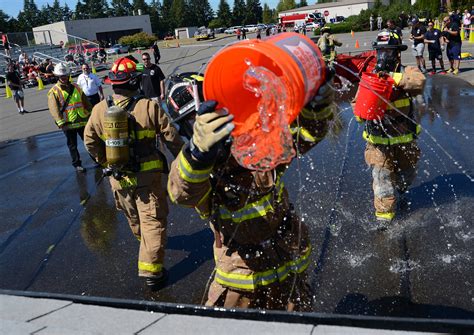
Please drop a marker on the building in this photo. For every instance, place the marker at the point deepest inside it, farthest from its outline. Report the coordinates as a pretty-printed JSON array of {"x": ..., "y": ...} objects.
[
  {"x": 330, "y": 10},
  {"x": 103, "y": 29}
]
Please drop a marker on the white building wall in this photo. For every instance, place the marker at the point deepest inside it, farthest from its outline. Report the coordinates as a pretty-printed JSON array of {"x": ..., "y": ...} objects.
[{"x": 50, "y": 33}]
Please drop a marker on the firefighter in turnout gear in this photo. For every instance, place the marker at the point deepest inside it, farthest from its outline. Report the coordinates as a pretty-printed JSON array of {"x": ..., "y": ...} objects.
[
  {"x": 327, "y": 43},
  {"x": 70, "y": 110},
  {"x": 261, "y": 248},
  {"x": 392, "y": 151},
  {"x": 126, "y": 145}
]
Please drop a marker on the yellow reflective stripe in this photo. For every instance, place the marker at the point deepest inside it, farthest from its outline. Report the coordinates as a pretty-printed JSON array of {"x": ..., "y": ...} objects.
[
  {"x": 103, "y": 137},
  {"x": 256, "y": 209},
  {"x": 387, "y": 141},
  {"x": 60, "y": 122},
  {"x": 189, "y": 174},
  {"x": 418, "y": 129},
  {"x": 150, "y": 267},
  {"x": 203, "y": 215},
  {"x": 399, "y": 103},
  {"x": 151, "y": 165},
  {"x": 127, "y": 181},
  {"x": 264, "y": 278},
  {"x": 317, "y": 115},
  {"x": 397, "y": 77},
  {"x": 388, "y": 216},
  {"x": 147, "y": 133}
]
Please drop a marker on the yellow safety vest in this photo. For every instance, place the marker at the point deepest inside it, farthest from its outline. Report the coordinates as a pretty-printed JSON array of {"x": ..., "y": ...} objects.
[{"x": 74, "y": 115}]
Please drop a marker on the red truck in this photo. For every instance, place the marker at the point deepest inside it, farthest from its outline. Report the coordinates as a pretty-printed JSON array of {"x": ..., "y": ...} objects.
[{"x": 291, "y": 19}]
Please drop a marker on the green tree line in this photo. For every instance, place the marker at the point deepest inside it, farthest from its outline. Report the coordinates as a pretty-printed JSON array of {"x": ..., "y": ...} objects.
[{"x": 165, "y": 15}]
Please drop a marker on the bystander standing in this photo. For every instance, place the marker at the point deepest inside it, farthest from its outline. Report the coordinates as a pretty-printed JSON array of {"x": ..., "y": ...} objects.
[
  {"x": 466, "y": 22},
  {"x": 6, "y": 44},
  {"x": 13, "y": 81},
  {"x": 434, "y": 40},
  {"x": 156, "y": 52},
  {"x": 453, "y": 49},
  {"x": 393, "y": 28},
  {"x": 371, "y": 22},
  {"x": 379, "y": 22},
  {"x": 90, "y": 85},
  {"x": 153, "y": 79},
  {"x": 418, "y": 37}
]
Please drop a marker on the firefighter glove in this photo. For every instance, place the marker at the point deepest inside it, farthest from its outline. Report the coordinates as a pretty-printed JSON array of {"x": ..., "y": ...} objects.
[{"x": 211, "y": 126}]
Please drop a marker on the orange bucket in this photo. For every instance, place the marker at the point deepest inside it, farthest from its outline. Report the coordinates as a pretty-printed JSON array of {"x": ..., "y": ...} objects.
[
  {"x": 296, "y": 64},
  {"x": 369, "y": 105}
]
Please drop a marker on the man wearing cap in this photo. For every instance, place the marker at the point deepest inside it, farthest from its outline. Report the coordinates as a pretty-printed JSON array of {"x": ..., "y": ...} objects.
[
  {"x": 70, "y": 110},
  {"x": 138, "y": 184}
]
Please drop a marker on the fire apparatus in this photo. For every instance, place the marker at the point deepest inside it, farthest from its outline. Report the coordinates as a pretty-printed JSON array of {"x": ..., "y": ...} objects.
[{"x": 292, "y": 19}]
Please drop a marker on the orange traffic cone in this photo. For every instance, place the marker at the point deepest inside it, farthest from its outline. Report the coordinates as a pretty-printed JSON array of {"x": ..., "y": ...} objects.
[
  {"x": 357, "y": 44},
  {"x": 352, "y": 33},
  {"x": 94, "y": 71}
]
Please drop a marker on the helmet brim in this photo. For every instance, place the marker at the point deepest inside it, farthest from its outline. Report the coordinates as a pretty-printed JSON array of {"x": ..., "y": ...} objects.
[{"x": 107, "y": 81}]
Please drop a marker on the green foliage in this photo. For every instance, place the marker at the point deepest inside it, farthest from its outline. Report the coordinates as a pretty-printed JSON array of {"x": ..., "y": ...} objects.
[
  {"x": 224, "y": 15},
  {"x": 285, "y": 5},
  {"x": 253, "y": 13},
  {"x": 238, "y": 12},
  {"x": 199, "y": 13},
  {"x": 139, "y": 40},
  {"x": 120, "y": 8},
  {"x": 267, "y": 14}
]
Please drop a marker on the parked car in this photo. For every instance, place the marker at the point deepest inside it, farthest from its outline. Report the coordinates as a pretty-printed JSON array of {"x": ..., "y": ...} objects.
[
  {"x": 251, "y": 28},
  {"x": 338, "y": 19},
  {"x": 232, "y": 30},
  {"x": 83, "y": 48},
  {"x": 312, "y": 26},
  {"x": 261, "y": 26},
  {"x": 219, "y": 30},
  {"x": 204, "y": 33},
  {"x": 117, "y": 49}
]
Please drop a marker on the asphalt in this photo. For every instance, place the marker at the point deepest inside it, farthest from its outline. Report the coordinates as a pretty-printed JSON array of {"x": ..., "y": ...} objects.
[{"x": 61, "y": 234}]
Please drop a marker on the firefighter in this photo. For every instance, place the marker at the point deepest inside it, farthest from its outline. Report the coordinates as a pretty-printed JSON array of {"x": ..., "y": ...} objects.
[
  {"x": 70, "y": 110},
  {"x": 327, "y": 44},
  {"x": 261, "y": 247},
  {"x": 392, "y": 151},
  {"x": 122, "y": 136}
]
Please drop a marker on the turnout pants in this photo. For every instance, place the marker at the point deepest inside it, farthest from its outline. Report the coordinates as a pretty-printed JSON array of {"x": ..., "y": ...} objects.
[
  {"x": 146, "y": 209},
  {"x": 71, "y": 137},
  {"x": 393, "y": 171}
]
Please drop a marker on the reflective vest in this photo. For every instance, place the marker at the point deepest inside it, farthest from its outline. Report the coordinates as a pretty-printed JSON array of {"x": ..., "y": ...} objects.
[{"x": 74, "y": 115}]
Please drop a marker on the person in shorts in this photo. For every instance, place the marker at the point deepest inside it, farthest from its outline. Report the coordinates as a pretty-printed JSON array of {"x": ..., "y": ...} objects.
[
  {"x": 434, "y": 40},
  {"x": 418, "y": 37},
  {"x": 14, "y": 82},
  {"x": 451, "y": 33}
]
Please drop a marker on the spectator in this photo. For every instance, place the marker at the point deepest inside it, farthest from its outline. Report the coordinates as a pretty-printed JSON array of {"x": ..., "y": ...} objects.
[
  {"x": 50, "y": 66},
  {"x": 456, "y": 17},
  {"x": 303, "y": 28},
  {"x": 22, "y": 57},
  {"x": 259, "y": 33},
  {"x": 466, "y": 22},
  {"x": 244, "y": 33},
  {"x": 453, "y": 50},
  {"x": 6, "y": 44},
  {"x": 371, "y": 22},
  {"x": 434, "y": 39},
  {"x": 156, "y": 52},
  {"x": 393, "y": 28},
  {"x": 418, "y": 37},
  {"x": 379, "y": 22},
  {"x": 90, "y": 85},
  {"x": 238, "y": 32},
  {"x": 153, "y": 80},
  {"x": 268, "y": 31},
  {"x": 403, "y": 19},
  {"x": 13, "y": 81}
]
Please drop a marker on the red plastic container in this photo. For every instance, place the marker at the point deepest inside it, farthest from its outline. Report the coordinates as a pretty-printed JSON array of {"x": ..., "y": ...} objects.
[{"x": 369, "y": 105}]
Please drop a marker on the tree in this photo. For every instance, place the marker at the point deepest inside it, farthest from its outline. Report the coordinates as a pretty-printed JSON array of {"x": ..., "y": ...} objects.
[
  {"x": 201, "y": 11},
  {"x": 29, "y": 16},
  {"x": 178, "y": 14},
  {"x": 285, "y": 5},
  {"x": 238, "y": 12},
  {"x": 267, "y": 14},
  {"x": 55, "y": 12},
  {"x": 253, "y": 13},
  {"x": 80, "y": 11},
  {"x": 303, "y": 3},
  {"x": 155, "y": 19},
  {"x": 120, "y": 8},
  {"x": 165, "y": 16},
  {"x": 224, "y": 15},
  {"x": 4, "y": 24},
  {"x": 96, "y": 8},
  {"x": 140, "y": 4}
]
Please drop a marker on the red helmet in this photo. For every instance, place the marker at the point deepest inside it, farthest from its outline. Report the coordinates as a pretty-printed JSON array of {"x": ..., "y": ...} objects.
[{"x": 123, "y": 70}]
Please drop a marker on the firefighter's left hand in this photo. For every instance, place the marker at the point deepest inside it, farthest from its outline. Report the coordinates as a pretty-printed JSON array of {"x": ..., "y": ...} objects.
[{"x": 324, "y": 96}]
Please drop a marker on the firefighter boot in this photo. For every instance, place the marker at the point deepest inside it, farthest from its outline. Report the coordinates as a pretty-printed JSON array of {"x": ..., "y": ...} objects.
[{"x": 157, "y": 282}]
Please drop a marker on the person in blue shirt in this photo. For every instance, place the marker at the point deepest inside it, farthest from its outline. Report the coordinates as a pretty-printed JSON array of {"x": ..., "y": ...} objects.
[{"x": 434, "y": 40}]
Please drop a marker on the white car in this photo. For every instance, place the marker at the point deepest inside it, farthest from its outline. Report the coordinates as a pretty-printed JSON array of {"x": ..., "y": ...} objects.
[
  {"x": 251, "y": 28},
  {"x": 232, "y": 30},
  {"x": 117, "y": 49},
  {"x": 311, "y": 26}
]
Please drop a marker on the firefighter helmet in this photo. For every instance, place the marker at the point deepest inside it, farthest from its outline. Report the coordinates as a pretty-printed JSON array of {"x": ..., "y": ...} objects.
[
  {"x": 388, "y": 40},
  {"x": 123, "y": 70},
  {"x": 61, "y": 70}
]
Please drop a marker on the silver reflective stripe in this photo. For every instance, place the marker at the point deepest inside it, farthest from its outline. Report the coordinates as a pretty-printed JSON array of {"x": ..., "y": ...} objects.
[{"x": 116, "y": 142}]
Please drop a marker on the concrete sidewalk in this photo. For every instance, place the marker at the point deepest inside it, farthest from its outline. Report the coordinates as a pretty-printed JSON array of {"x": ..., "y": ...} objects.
[{"x": 24, "y": 315}]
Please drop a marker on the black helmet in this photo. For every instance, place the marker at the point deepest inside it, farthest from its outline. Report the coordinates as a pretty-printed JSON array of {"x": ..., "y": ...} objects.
[
  {"x": 180, "y": 99},
  {"x": 388, "y": 46},
  {"x": 389, "y": 40}
]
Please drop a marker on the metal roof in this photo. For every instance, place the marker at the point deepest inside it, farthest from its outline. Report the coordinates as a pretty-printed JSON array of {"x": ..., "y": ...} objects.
[{"x": 328, "y": 5}]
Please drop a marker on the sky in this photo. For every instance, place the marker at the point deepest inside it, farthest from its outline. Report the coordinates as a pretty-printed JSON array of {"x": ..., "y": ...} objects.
[{"x": 13, "y": 7}]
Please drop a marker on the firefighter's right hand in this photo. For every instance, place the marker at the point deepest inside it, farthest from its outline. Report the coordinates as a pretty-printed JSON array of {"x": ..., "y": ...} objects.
[{"x": 211, "y": 126}]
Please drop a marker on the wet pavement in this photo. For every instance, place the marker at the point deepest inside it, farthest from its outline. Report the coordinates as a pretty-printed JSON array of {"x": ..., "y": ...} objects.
[{"x": 60, "y": 231}]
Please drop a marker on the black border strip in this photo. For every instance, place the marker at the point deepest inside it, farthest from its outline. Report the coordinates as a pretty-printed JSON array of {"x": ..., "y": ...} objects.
[{"x": 391, "y": 323}]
